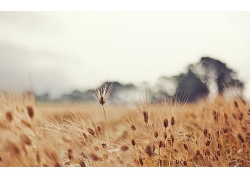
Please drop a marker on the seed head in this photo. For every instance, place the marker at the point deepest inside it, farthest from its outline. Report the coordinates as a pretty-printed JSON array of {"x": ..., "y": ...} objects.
[
  {"x": 165, "y": 135},
  {"x": 141, "y": 161},
  {"x": 208, "y": 142},
  {"x": 234, "y": 115},
  {"x": 172, "y": 138},
  {"x": 218, "y": 153},
  {"x": 197, "y": 153},
  {"x": 241, "y": 116},
  {"x": 133, "y": 142},
  {"x": 165, "y": 123},
  {"x": 185, "y": 146},
  {"x": 207, "y": 152},
  {"x": 30, "y": 111},
  {"x": 161, "y": 144},
  {"x": 145, "y": 116},
  {"x": 215, "y": 114},
  {"x": 243, "y": 101},
  {"x": 102, "y": 94},
  {"x": 236, "y": 104},
  {"x": 172, "y": 121},
  {"x": 84, "y": 155},
  {"x": 84, "y": 135},
  {"x": 124, "y": 148},
  {"x": 25, "y": 139},
  {"x": 149, "y": 150},
  {"x": 225, "y": 130},
  {"x": 205, "y": 132},
  {"x": 91, "y": 131},
  {"x": 155, "y": 134},
  {"x": 133, "y": 127},
  {"x": 9, "y": 116},
  {"x": 95, "y": 157},
  {"x": 25, "y": 123},
  {"x": 185, "y": 163},
  {"x": 70, "y": 156},
  {"x": 225, "y": 116},
  {"x": 57, "y": 164},
  {"x": 241, "y": 138},
  {"x": 104, "y": 145},
  {"x": 82, "y": 164},
  {"x": 219, "y": 145},
  {"x": 217, "y": 134},
  {"x": 99, "y": 129}
]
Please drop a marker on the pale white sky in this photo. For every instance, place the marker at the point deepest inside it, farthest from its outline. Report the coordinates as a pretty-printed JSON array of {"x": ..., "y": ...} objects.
[{"x": 63, "y": 51}]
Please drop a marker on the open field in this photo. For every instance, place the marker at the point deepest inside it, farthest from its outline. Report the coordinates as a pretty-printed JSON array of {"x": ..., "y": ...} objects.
[{"x": 167, "y": 133}]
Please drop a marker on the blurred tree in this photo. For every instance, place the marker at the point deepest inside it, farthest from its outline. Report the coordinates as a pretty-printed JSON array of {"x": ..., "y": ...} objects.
[
  {"x": 224, "y": 77},
  {"x": 190, "y": 85},
  {"x": 208, "y": 75}
]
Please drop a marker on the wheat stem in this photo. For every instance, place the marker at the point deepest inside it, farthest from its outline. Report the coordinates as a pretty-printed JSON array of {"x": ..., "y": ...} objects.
[{"x": 106, "y": 123}]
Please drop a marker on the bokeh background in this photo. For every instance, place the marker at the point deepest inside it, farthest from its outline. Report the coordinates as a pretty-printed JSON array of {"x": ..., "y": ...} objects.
[{"x": 61, "y": 55}]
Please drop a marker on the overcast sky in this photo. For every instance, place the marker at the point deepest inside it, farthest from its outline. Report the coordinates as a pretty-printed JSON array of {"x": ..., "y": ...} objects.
[{"x": 61, "y": 51}]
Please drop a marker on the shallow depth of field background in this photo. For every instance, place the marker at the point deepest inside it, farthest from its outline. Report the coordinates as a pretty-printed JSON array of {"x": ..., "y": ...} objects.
[{"x": 111, "y": 89}]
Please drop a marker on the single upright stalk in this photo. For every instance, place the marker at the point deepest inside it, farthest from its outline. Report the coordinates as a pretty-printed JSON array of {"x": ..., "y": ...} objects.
[{"x": 106, "y": 124}]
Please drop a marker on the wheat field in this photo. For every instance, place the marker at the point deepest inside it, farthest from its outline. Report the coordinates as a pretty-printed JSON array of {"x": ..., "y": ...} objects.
[{"x": 167, "y": 133}]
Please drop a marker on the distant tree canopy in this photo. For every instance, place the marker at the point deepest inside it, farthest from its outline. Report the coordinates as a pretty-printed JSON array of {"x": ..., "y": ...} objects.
[
  {"x": 205, "y": 76},
  {"x": 189, "y": 84}
]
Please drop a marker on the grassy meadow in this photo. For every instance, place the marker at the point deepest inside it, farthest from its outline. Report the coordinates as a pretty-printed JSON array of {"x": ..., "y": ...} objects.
[{"x": 166, "y": 133}]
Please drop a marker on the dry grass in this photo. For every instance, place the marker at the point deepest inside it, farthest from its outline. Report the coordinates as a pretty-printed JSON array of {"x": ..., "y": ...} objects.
[{"x": 150, "y": 135}]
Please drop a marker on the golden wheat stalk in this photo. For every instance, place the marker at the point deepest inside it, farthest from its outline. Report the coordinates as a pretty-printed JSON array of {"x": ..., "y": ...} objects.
[{"x": 101, "y": 95}]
